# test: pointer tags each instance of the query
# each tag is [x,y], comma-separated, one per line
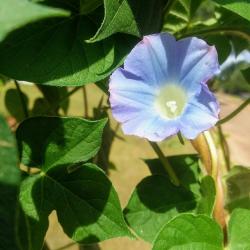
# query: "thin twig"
[234,113]
[85,101]
[166,164]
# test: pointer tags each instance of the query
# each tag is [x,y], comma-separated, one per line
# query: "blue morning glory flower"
[161,90]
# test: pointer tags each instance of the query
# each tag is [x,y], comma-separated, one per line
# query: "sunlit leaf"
[187,232]
[242,8]
[126,17]
[238,230]
[47,142]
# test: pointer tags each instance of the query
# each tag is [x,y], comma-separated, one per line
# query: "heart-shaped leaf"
[47,142]
[188,231]
[86,203]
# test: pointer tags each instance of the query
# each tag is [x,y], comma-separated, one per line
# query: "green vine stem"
[23,103]
[175,180]
[234,113]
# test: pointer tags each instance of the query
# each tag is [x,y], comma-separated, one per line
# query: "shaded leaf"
[246,74]
[87,205]
[238,187]
[9,171]
[9,184]
[187,231]
[47,142]
[89,5]
[14,105]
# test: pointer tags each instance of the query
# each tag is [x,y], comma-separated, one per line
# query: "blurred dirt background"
[127,156]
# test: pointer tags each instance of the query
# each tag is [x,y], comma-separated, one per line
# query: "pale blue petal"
[129,90]
[148,59]
[160,59]
[150,126]
[129,95]
[200,114]
[197,63]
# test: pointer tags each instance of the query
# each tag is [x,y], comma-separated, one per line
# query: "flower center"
[170,101]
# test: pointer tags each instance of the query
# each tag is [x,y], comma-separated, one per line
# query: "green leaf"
[51,49]
[242,7]
[9,171]
[125,16]
[238,187]
[16,13]
[87,6]
[47,142]
[186,167]
[246,74]
[32,219]
[180,15]
[153,203]
[86,203]
[14,105]
[30,233]
[238,230]
[9,183]
[187,231]
[208,195]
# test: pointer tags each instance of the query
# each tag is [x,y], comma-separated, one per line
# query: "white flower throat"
[170,101]
[172,105]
